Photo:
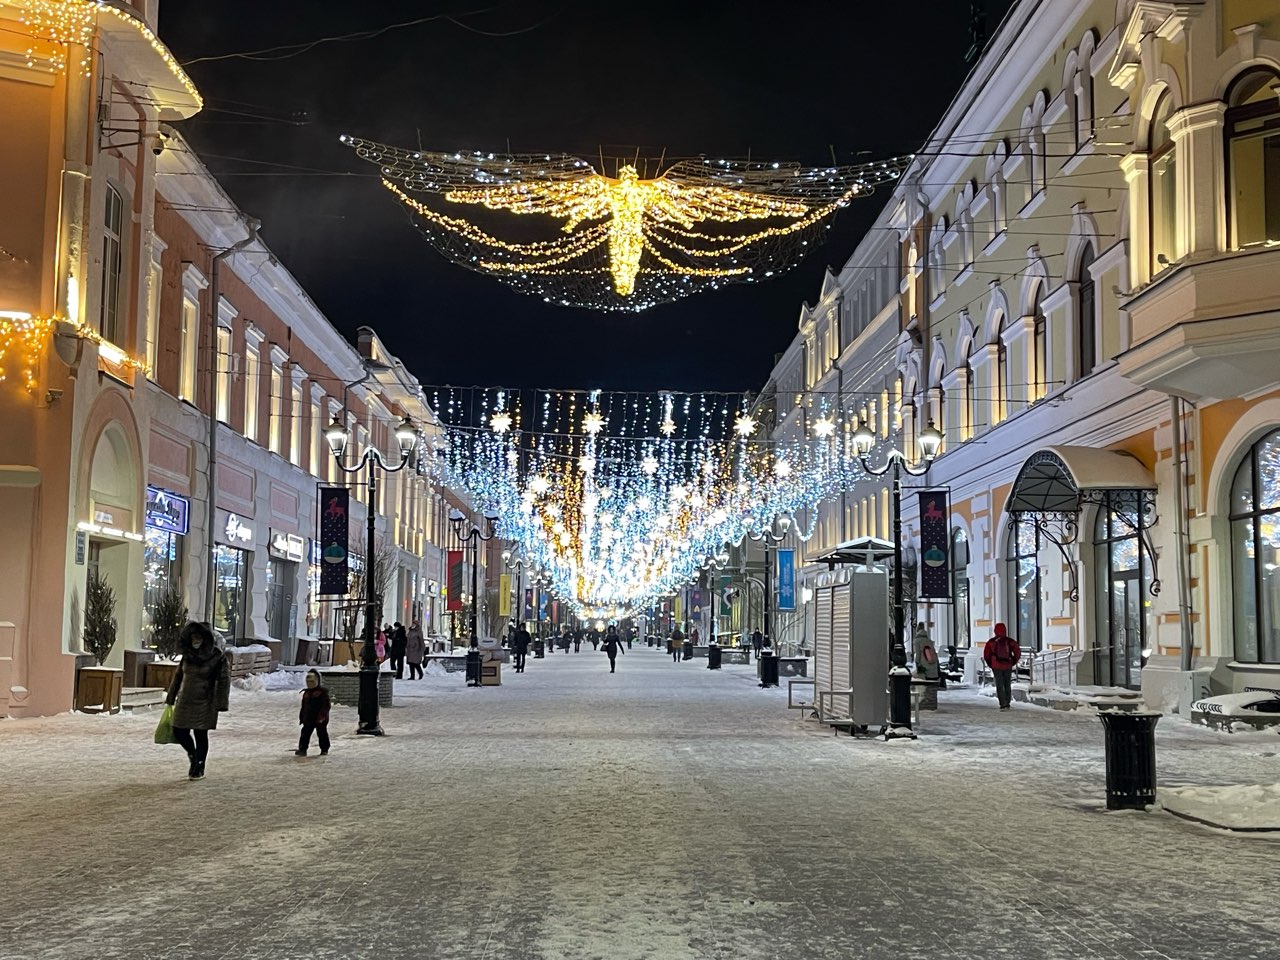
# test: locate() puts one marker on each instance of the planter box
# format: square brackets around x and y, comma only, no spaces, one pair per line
[135,662]
[159,673]
[451,663]
[98,689]
[736,655]
[491,673]
[346,650]
[344,687]
[277,650]
[793,667]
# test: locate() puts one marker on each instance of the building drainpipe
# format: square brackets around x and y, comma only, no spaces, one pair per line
[1180,536]
[214,297]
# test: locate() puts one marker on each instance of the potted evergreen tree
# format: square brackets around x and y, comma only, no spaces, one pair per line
[168,617]
[98,688]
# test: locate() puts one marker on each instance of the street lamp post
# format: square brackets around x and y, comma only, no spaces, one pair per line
[338,437]
[930,440]
[473,536]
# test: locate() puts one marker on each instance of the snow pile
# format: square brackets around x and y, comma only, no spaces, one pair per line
[1239,807]
[251,648]
[251,684]
[435,669]
[1245,704]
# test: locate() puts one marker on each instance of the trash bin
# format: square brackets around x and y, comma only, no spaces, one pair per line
[473,668]
[687,652]
[1131,758]
[539,649]
[768,667]
[713,657]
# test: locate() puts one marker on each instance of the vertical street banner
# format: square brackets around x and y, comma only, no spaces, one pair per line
[678,608]
[726,598]
[786,579]
[527,613]
[935,540]
[454,581]
[334,562]
[695,602]
[504,595]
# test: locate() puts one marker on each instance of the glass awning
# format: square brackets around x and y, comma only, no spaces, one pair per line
[1056,480]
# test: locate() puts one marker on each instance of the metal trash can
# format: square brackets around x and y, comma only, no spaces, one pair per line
[1131,758]
[687,652]
[767,665]
[473,668]
[713,657]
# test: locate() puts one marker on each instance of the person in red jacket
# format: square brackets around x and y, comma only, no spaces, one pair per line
[1002,654]
[314,715]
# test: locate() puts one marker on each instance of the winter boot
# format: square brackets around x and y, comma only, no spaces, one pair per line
[197,771]
[299,753]
[193,767]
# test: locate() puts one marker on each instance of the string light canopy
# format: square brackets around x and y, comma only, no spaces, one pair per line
[627,241]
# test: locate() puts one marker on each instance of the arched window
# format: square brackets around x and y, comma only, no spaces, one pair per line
[1086,322]
[960,612]
[1022,579]
[1122,572]
[1000,391]
[1253,144]
[972,415]
[1255,543]
[1039,348]
[1164,188]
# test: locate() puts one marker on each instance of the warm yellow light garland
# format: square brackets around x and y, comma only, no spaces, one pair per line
[23,339]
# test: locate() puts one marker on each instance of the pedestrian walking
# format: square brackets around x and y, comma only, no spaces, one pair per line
[399,643]
[577,641]
[612,644]
[595,639]
[314,715]
[201,689]
[380,643]
[520,646]
[1002,654]
[415,650]
[677,644]
[757,643]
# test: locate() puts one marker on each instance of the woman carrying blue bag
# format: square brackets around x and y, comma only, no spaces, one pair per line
[201,689]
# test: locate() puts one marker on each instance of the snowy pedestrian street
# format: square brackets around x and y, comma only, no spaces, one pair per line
[663,812]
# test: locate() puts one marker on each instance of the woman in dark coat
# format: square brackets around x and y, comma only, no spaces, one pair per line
[200,690]
[612,644]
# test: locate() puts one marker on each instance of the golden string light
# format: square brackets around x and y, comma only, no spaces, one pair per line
[58,26]
[628,241]
[23,339]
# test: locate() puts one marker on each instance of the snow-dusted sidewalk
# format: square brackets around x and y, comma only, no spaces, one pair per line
[664,812]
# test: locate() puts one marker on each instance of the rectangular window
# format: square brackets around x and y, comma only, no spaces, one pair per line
[317,442]
[154,277]
[223,361]
[1255,182]
[190,340]
[252,391]
[295,426]
[112,267]
[276,410]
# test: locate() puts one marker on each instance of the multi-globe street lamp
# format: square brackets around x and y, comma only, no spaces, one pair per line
[776,532]
[473,536]
[337,436]
[930,441]
[515,560]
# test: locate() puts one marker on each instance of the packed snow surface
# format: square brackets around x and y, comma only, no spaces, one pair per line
[665,812]
[1241,807]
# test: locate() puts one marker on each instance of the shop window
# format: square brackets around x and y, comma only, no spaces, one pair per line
[1122,605]
[1087,320]
[231,590]
[1253,145]
[1022,579]
[161,566]
[1255,542]
[960,612]
[112,266]
[1163,188]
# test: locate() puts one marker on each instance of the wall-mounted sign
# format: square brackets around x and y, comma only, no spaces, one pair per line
[82,540]
[167,511]
[287,546]
[237,531]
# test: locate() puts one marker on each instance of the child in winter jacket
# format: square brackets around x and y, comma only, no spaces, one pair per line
[314,715]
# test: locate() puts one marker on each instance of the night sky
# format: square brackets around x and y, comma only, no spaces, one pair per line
[791,82]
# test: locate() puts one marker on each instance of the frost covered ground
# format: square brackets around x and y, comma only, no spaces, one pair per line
[665,812]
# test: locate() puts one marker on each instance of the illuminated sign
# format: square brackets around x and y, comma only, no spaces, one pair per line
[167,511]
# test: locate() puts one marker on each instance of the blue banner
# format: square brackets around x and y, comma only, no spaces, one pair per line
[786,579]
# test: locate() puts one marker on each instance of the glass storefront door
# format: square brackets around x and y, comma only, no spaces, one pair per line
[282,577]
[1123,580]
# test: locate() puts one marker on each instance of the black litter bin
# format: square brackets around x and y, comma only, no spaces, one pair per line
[768,667]
[713,657]
[473,668]
[1131,758]
[687,652]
